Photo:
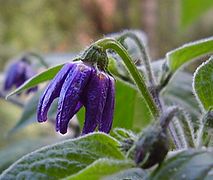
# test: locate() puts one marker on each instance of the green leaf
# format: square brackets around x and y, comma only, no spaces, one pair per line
[190,164]
[191,10]
[123,134]
[129,174]
[35,80]
[203,84]
[100,169]
[16,150]
[188,52]
[124,106]
[64,159]
[206,130]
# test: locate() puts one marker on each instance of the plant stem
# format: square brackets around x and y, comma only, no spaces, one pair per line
[147,65]
[174,136]
[109,43]
[144,54]
[166,122]
[181,126]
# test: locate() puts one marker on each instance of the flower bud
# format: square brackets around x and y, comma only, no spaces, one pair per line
[152,146]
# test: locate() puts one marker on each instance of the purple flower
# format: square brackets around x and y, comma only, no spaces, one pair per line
[80,84]
[17,73]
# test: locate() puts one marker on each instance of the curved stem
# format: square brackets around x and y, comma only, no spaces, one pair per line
[146,61]
[39,57]
[109,43]
[145,56]
[181,126]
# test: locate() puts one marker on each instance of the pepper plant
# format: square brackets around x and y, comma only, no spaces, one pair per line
[171,136]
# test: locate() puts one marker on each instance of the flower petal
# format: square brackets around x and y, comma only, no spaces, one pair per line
[70,95]
[13,75]
[95,100]
[52,92]
[78,107]
[29,72]
[107,116]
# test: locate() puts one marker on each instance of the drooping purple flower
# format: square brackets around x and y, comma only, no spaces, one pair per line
[17,73]
[80,84]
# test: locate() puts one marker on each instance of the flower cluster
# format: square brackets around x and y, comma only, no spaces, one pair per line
[17,73]
[80,84]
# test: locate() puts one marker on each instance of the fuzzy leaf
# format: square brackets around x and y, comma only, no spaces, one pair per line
[203,84]
[130,174]
[100,169]
[13,152]
[64,159]
[188,52]
[39,78]
[123,134]
[190,164]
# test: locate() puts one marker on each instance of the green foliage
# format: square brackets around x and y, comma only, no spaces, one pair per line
[189,164]
[133,174]
[123,134]
[203,84]
[100,169]
[191,10]
[97,155]
[136,110]
[188,52]
[64,159]
[16,150]
[207,130]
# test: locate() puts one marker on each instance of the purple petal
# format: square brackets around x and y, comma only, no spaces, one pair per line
[14,75]
[33,89]
[70,95]
[52,92]
[29,72]
[107,116]
[96,98]
[78,107]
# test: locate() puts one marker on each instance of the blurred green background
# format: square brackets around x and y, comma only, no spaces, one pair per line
[63,26]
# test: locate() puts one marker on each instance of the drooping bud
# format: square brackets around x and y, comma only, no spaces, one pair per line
[152,147]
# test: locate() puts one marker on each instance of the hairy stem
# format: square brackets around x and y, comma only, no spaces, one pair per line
[144,54]
[109,43]
[147,65]
[181,126]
